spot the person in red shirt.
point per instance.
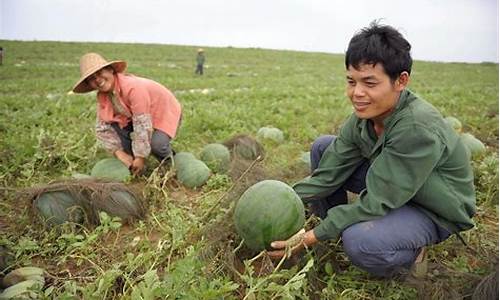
(136, 116)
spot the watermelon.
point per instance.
(474, 145)
(80, 176)
(110, 168)
(244, 146)
(59, 207)
(247, 151)
(23, 290)
(454, 123)
(268, 211)
(193, 173)
(305, 159)
(123, 204)
(182, 157)
(22, 274)
(270, 134)
(217, 157)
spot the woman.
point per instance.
(136, 116)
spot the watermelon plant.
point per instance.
(110, 168)
(217, 157)
(269, 210)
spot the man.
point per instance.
(200, 60)
(411, 171)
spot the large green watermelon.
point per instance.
(193, 173)
(110, 168)
(182, 157)
(59, 207)
(217, 157)
(268, 211)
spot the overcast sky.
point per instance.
(439, 30)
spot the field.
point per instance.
(187, 247)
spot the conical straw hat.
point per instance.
(91, 63)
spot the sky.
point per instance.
(439, 30)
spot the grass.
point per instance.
(179, 252)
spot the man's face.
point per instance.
(373, 95)
(103, 80)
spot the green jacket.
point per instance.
(200, 59)
(418, 159)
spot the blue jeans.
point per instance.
(160, 141)
(384, 246)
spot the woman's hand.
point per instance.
(124, 157)
(137, 166)
(293, 245)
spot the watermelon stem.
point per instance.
(239, 246)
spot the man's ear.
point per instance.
(402, 81)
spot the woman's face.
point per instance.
(103, 80)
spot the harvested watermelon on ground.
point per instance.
(454, 123)
(305, 159)
(81, 201)
(192, 173)
(22, 274)
(59, 207)
(182, 157)
(268, 211)
(123, 204)
(110, 168)
(245, 147)
(269, 133)
(22, 290)
(474, 145)
(217, 157)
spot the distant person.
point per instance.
(200, 60)
(136, 116)
(409, 168)
(1, 56)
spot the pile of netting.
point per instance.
(82, 200)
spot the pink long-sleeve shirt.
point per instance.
(146, 103)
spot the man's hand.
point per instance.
(137, 166)
(124, 157)
(293, 245)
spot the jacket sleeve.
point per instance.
(339, 161)
(141, 136)
(407, 159)
(107, 136)
(140, 106)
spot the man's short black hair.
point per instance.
(380, 44)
